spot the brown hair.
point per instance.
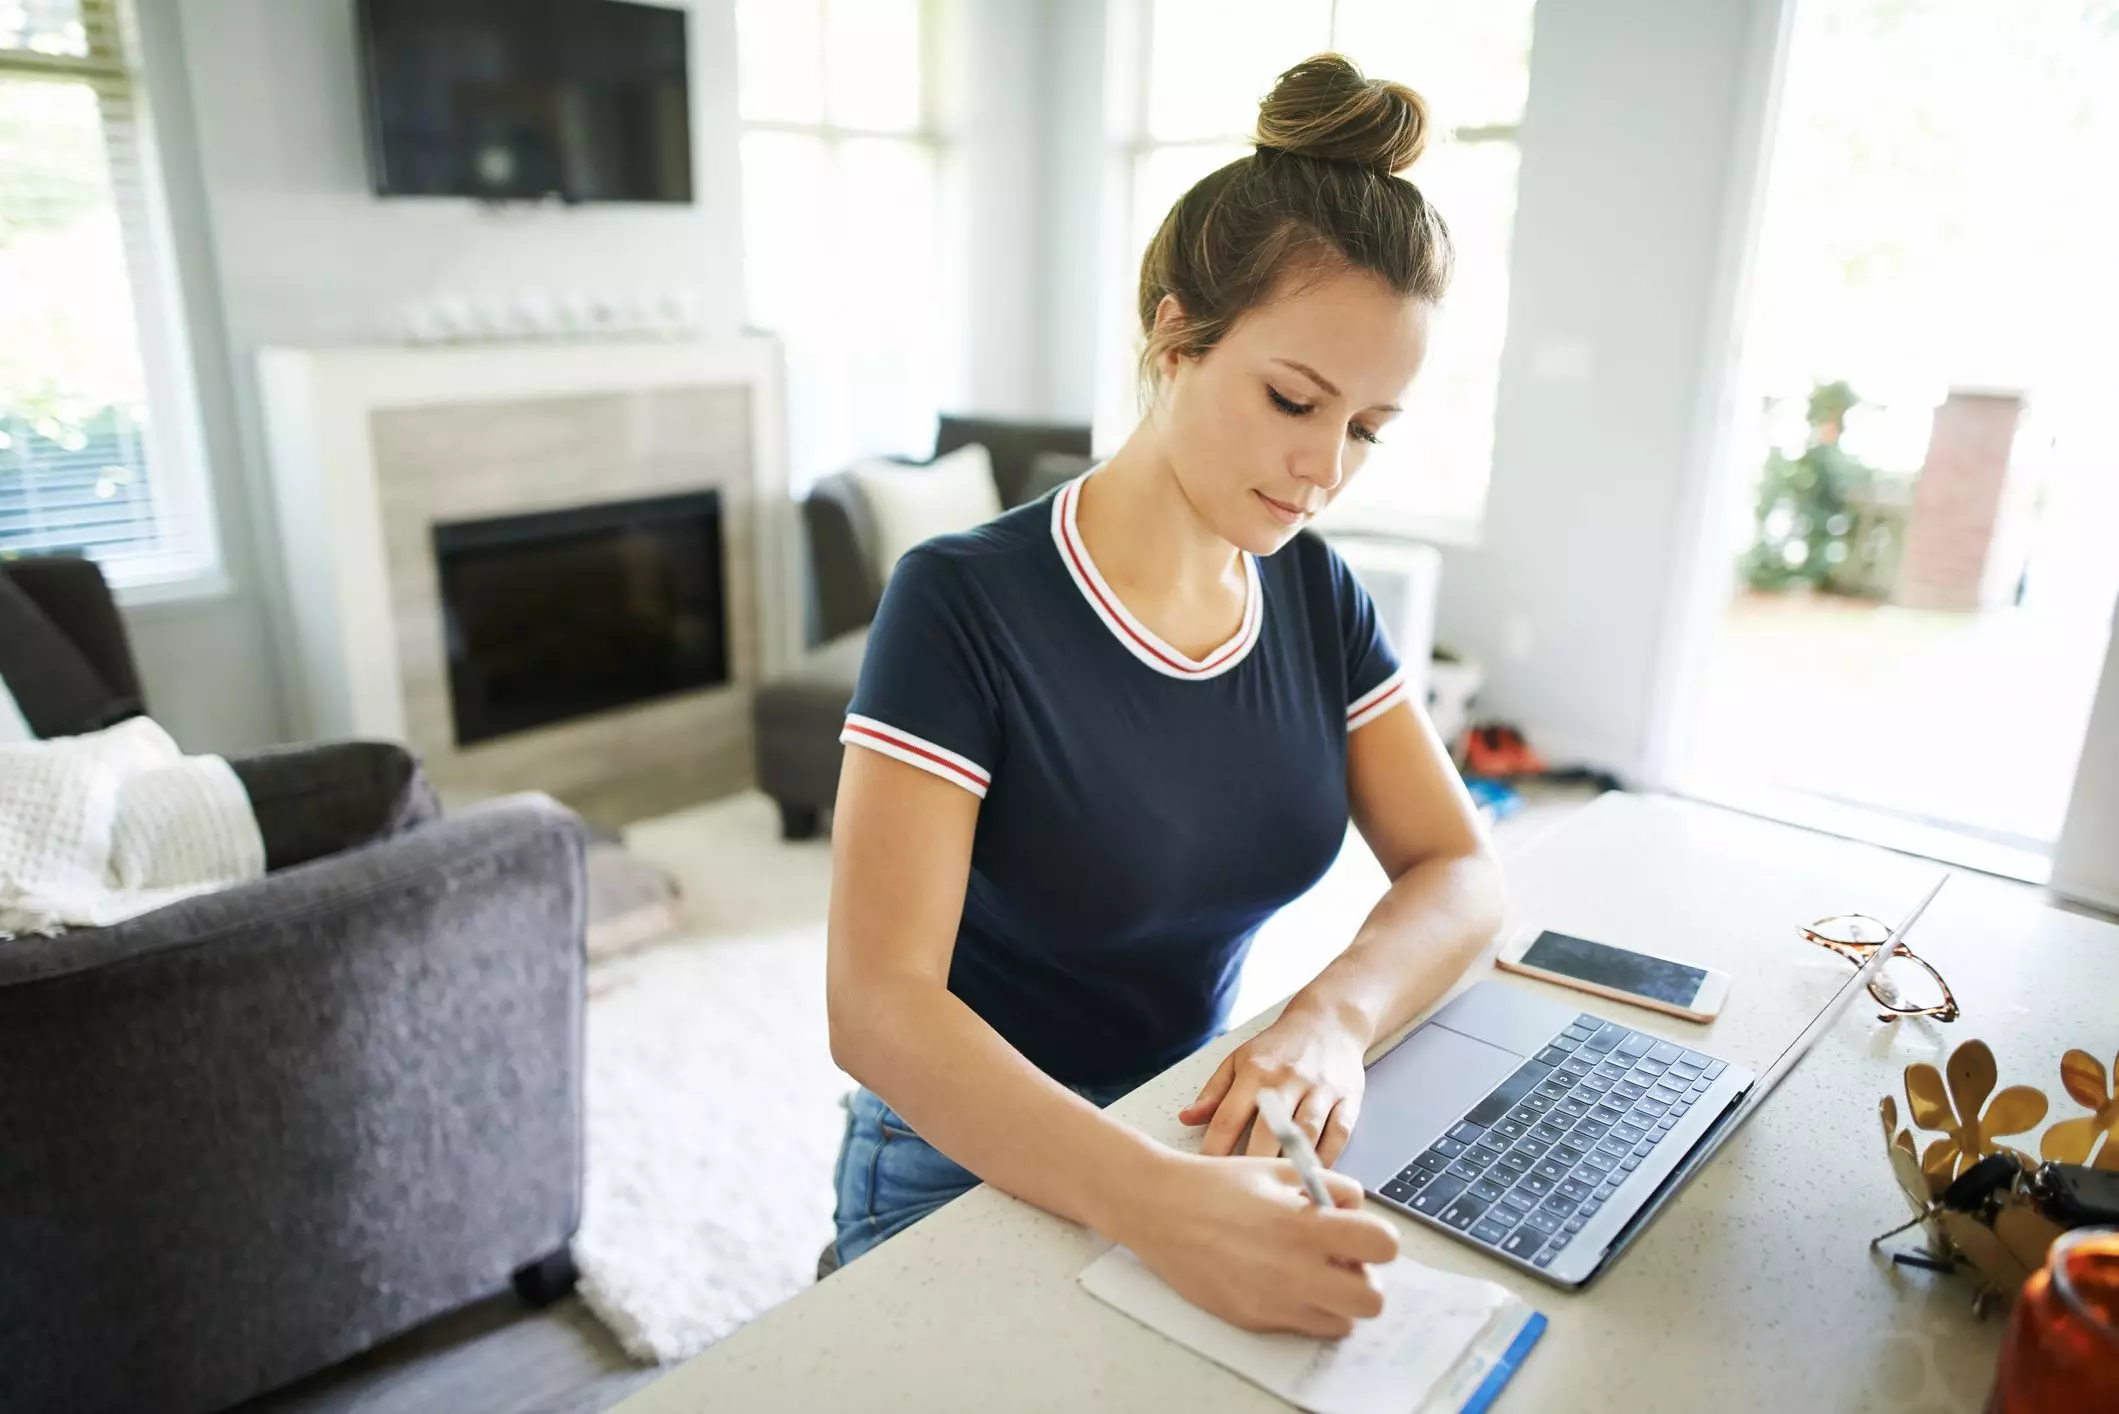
(1321, 187)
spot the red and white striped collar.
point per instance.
(1137, 637)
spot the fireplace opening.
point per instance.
(563, 614)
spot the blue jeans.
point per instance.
(888, 1177)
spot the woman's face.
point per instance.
(1268, 426)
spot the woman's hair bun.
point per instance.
(1325, 108)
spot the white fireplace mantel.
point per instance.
(345, 670)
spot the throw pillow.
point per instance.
(59, 691)
(915, 503)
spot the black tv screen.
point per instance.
(585, 100)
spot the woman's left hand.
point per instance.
(1312, 1060)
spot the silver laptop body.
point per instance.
(1500, 1121)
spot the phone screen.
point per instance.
(1615, 968)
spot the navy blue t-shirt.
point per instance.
(1143, 812)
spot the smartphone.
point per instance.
(1660, 983)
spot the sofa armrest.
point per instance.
(73, 594)
(842, 538)
(317, 800)
(246, 1135)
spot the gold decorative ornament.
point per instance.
(2000, 1235)
(1968, 1134)
(2070, 1141)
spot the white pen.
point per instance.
(1295, 1145)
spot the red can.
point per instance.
(2061, 1352)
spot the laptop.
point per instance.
(1550, 1137)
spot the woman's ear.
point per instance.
(1169, 314)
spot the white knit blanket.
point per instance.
(100, 828)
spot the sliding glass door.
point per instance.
(1918, 572)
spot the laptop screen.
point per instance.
(1823, 1021)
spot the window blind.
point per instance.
(92, 397)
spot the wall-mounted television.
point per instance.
(521, 100)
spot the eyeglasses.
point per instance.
(1907, 986)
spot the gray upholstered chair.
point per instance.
(797, 716)
(251, 1134)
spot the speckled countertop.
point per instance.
(1755, 1290)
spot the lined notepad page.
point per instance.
(1388, 1365)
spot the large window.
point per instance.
(98, 444)
(841, 214)
(1186, 77)
(1923, 465)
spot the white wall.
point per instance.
(1020, 105)
(261, 118)
(1640, 147)
(989, 77)
(206, 664)
(1073, 157)
(2086, 860)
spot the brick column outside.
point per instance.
(1957, 501)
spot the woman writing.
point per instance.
(1104, 737)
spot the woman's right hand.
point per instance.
(1240, 1238)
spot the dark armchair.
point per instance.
(797, 717)
(250, 1134)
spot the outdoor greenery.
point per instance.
(1932, 224)
(1805, 519)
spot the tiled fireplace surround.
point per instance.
(371, 448)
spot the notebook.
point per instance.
(1444, 1344)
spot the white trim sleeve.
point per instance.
(1377, 700)
(899, 745)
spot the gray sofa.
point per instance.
(248, 1135)
(798, 716)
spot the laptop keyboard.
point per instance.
(1532, 1162)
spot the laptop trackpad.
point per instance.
(1414, 1094)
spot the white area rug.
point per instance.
(713, 1114)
